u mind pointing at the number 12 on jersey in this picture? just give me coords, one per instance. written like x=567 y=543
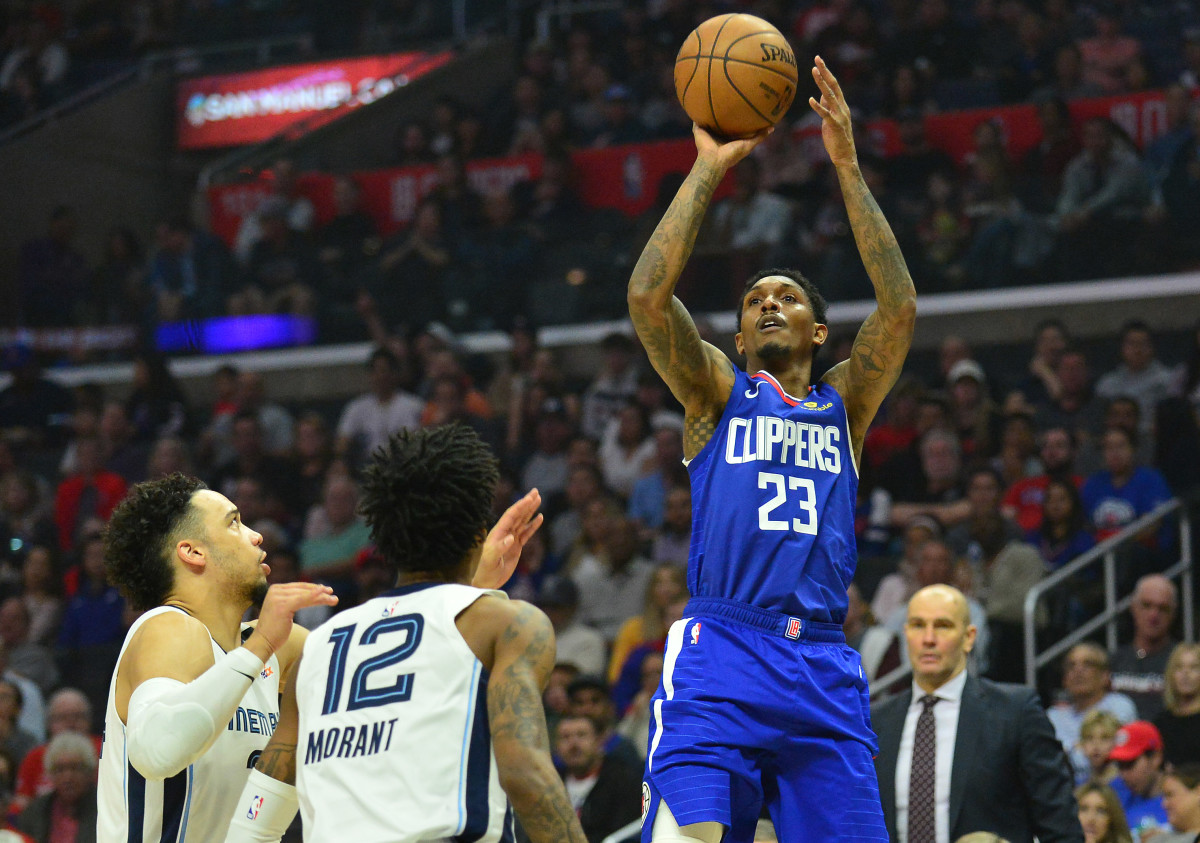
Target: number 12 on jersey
x=360 y=695
x=807 y=501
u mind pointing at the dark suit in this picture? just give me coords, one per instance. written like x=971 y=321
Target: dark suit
x=615 y=800
x=1010 y=775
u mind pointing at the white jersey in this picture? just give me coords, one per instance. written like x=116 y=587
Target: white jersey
x=394 y=744
x=196 y=804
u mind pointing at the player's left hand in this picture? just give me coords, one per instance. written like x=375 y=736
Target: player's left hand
x=503 y=546
x=836 y=130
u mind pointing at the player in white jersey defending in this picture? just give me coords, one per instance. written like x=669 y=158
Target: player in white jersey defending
x=195 y=695
x=417 y=715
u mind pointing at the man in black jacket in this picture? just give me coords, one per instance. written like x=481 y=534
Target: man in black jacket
x=604 y=789
x=959 y=754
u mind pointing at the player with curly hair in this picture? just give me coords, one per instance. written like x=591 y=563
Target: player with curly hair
x=418 y=714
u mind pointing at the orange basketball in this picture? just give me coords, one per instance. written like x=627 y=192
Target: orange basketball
x=735 y=75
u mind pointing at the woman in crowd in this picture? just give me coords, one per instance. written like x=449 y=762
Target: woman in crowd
x=1101 y=816
x=1179 y=722
x=1064 y=534
x=667 y=585
x=1181 y=798
x=41 y=595
x=67 y=814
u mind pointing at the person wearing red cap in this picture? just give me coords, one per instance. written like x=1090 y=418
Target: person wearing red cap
x=1138 y=753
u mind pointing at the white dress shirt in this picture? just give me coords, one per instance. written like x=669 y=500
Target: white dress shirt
x=945 y=717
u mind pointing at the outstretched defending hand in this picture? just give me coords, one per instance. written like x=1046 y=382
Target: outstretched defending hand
x=282 y=602
x=503 y=546
x=724 y=154
x=836 y=131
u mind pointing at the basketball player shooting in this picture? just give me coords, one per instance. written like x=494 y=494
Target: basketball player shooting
x=761 y=698
x=418 y=714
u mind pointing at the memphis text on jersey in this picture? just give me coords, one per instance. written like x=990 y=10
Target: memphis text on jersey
x=349 y=741
x=780 y=441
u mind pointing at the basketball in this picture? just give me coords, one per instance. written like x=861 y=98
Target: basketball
x=735 y=75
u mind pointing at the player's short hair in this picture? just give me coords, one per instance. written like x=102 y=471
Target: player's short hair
x=815 y=299
x=427 y=496
x=141 y=533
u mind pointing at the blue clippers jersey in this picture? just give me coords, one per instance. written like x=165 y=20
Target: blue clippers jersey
x=773 y=497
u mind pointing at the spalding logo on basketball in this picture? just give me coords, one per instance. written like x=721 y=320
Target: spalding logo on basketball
x=735 y=75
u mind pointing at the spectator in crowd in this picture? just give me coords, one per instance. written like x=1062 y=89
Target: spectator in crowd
x=1101 y=815
x=312 y=455
x=411 y=272
x=984 y=520
x=157 y=406
x=53 y=275
x=1140 y=375
x=897 y=587
x=67 y=711
x=546 y=468
x=1139 y=667
x=285 y=202
x=1044 y=165
x=281 y=273
x=168 y=455
x=577 y=644
x=34 y=412
x=334 y=533
x=1105 y=191
x=897 y=429
x=68 y=812
x=591 y=696
x=615 y=581
x=663 y=471
x=91 y=492
x=937 y=490
x=975 y=416
x=119 y=294
x=1024 y=500
x=189 y=273
x=1108 y=52
x=1139 y=758
x=667 y=585
x=1017 y=457
x=1124 y=491
x=1076 y=407
x=1063 y=534
x=620 y=122
x=672 y=540
x=346 y=242
x=250 y=459
x=1179 y=721
x=93 y=627
x=1097 y=737
x=368 y=421
x=877 y=646
x=613 y=387
x=15 y=740
x=1181 y=798
x=24 y=520
x=605 y=790
x=748 y=223
x=1086 y=680
x=635 y=724
x=123 y=455
x=25 y=656
x=274 y=420
x=496 y=260
x=584 y=484
x=626 y=449
x=1023 y=790
x=40 y=592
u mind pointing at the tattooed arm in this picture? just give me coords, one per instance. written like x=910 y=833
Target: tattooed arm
x=882 y=343
x=698 y=374
x=523 y=658
x=278 y=760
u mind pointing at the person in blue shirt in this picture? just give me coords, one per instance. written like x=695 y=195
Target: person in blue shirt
x=1124 y=491
x=1139 y=758
x=761 y=700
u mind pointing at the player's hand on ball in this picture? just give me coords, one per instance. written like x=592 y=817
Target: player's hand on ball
x=724 y=154
x=282 y=602
x=836 y=130
x=503 y=546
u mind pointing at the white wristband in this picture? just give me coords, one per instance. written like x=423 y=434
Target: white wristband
x=171 y=724
x=264 y=812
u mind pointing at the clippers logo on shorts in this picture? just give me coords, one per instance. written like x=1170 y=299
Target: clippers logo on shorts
x=255 y=806
x=645 y=801
x=793 y=628
x=696 y=632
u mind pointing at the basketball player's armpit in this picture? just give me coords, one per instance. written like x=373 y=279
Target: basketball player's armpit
x=278 y=761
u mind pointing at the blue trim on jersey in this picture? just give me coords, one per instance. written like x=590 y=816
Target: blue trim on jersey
x=479 y=770
x=187 y=809
x=136 y=794
x=175 y=794
x=466 y=744
x=411 y=588
x=509 y=833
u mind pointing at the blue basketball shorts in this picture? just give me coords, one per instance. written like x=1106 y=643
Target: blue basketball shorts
x=760 y=708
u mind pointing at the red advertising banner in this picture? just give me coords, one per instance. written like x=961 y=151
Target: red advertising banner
x=627 y=177
x=241 y=108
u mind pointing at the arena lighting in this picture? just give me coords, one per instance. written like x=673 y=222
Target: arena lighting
x=227 y=334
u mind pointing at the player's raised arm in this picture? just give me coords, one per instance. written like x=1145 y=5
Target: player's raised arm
x=269 y=802
x=883 y=340
x=698 y=374
x=524 y=657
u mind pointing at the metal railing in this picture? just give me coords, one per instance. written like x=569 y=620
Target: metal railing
x=181 y=59
x=1105 y=553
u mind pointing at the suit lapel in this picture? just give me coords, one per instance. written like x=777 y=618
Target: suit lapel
x=970 y=724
